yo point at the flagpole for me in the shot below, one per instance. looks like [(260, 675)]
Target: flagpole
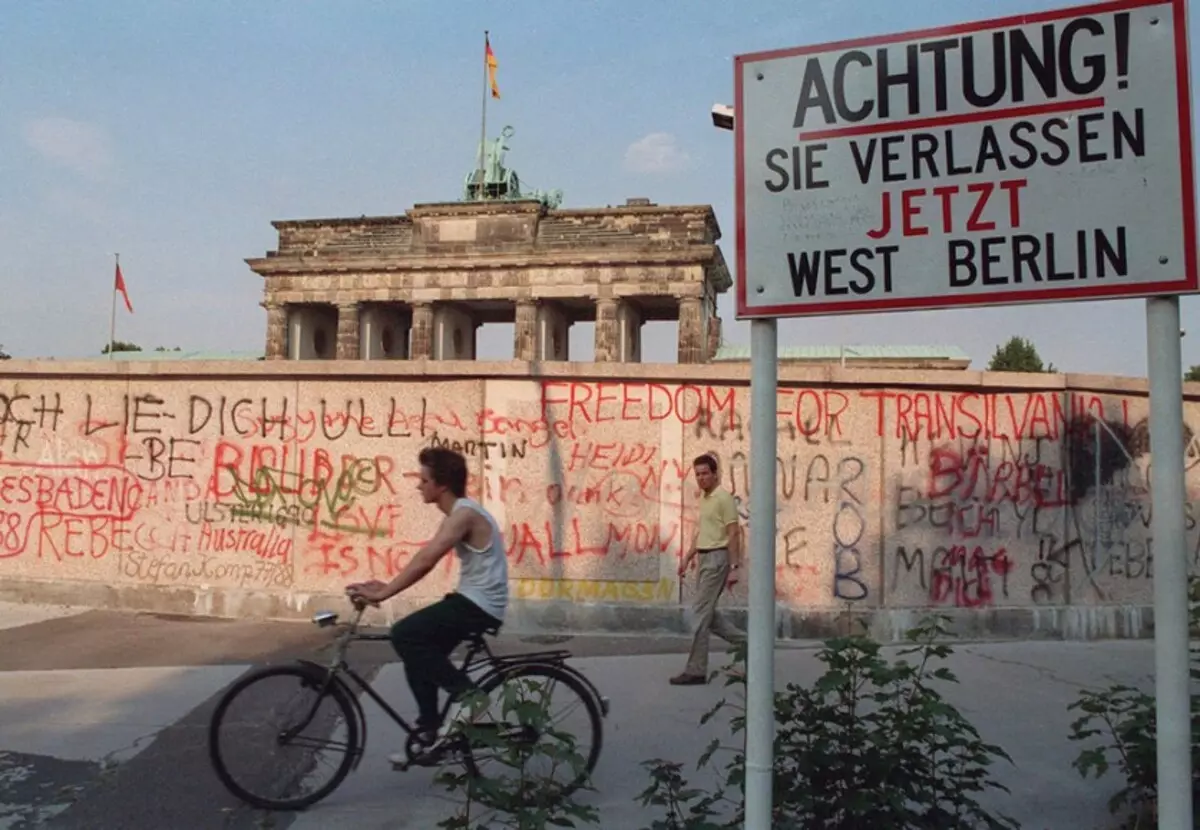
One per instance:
[(483, 122), (112, 321)]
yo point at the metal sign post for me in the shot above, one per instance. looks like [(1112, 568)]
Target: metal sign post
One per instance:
[(1168, 492), (1039, 158), (760, 628)]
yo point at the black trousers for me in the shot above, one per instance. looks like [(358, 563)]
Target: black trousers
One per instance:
[(424, 641)]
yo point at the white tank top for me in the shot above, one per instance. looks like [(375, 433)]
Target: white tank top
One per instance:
[(483, 573)]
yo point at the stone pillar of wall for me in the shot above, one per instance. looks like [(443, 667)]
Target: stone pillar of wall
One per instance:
[(311, 331), (422, 332), (629, 333), (553, 332), (692, 336), (525, 331), (383, 332), (607, 348), (454, 330), (347, 332), (276, 331), (714, 337)]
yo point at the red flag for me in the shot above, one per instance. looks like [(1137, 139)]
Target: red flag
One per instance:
[(120, 286)]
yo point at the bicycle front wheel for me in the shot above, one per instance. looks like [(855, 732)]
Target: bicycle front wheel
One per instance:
[(267, 733), (527, 726)]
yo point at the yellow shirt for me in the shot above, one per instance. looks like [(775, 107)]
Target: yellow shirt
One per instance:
[(717, 511)]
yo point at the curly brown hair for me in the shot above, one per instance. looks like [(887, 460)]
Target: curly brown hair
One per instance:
[(446, 467)]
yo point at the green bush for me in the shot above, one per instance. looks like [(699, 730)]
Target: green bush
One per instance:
[(511, 796), (1125, 720), (871, 744)]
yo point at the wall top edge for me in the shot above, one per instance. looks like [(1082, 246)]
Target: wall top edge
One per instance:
[(17, 370), (433, 209)]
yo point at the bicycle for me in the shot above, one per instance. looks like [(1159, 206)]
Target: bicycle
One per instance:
[(330, 683)]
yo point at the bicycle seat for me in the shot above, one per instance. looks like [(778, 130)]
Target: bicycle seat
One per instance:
[(491, 630)]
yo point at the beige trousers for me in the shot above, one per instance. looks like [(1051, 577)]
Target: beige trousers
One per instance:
[(712, 573)]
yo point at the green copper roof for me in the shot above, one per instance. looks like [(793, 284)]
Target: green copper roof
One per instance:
[(851, 352), (168, 355)]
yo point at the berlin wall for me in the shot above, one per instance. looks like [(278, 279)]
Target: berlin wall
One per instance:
[(1018, 503)]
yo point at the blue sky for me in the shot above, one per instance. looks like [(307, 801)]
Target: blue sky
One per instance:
[(176, 132)]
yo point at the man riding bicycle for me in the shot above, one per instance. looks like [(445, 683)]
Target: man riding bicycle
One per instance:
[(425, 639)]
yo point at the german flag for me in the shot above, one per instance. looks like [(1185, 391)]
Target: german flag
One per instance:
[(490, 58)]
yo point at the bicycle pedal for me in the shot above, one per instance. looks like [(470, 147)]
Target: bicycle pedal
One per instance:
[(400, 766)]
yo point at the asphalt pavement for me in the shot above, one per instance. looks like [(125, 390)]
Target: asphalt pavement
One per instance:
[(103, 719)]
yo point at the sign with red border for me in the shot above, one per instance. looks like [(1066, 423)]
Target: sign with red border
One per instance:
[(1031, 159)]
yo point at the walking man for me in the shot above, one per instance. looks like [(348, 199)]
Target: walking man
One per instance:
[(717, 544)]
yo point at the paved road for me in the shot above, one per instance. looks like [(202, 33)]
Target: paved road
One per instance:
[(103, 716)]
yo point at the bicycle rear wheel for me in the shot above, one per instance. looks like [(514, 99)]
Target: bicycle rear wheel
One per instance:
[(252, 755), (520, 730)]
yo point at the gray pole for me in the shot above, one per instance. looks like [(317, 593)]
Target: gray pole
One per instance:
[(760, 654), (479, 176), (1170, 565), (112, 316)]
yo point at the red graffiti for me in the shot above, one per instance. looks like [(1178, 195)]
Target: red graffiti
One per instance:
[(76, 537), (619, 540), (598, 403), (972, 478), (107, 491), (336, 555), (85, 500), (813, 412), (541, 431), (963, 578), (284, 469), (977, 415), (591, 455)]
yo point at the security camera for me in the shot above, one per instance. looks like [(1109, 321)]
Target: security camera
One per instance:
[(722, 116)]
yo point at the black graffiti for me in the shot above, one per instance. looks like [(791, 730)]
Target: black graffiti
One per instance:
[(146, 413), (482, 449), (849, 526), (793, 543), (1052, 569), (163, 459), (969, 520), (819, 474), (849, 470), (24, 415), (707, 425), (965, 576)]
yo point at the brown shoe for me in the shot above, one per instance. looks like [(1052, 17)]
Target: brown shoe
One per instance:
[(686, 679)]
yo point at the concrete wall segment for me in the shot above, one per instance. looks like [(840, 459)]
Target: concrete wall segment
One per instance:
[(1018, 503)]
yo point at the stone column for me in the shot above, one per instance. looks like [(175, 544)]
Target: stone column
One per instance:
[(525, 334), (422, 332), (553, 332), (347, 347), (692, 336), (607, 335), (714, 337), (629, 332), (277, 315)]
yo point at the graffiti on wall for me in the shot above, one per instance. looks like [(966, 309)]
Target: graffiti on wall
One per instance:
[(884, 496)]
